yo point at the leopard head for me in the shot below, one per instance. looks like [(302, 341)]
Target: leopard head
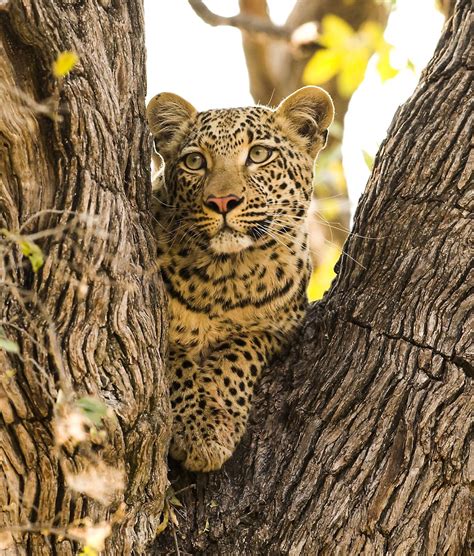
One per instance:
[(234, 177)]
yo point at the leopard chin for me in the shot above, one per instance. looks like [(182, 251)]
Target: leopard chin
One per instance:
[(230, 241)]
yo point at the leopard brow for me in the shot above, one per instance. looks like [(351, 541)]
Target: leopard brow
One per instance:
[(192, 149), (263, 143)]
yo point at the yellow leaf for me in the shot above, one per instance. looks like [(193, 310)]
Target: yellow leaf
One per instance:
[(322, 66), (353, 71), (372, 32), (330, 209), (323, 275), (164, 522), (335, 32), (64, 63), (88, 551), (206, 527), (384, 66)]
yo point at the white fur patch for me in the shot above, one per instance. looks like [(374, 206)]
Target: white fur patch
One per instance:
[(229, 241)]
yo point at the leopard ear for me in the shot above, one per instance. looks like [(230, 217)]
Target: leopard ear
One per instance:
[(309, 111), (168, 115)]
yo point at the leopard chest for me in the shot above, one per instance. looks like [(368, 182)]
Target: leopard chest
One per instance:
[(205, 309)]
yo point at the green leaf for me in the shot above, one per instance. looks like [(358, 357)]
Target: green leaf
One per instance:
[(411, 65), (93, 409), (368, 159), (32, 251), (175, 502)]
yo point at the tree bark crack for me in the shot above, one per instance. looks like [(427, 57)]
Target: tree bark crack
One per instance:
[(460, 362)]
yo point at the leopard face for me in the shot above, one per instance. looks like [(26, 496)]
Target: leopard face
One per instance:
[(238, 177)]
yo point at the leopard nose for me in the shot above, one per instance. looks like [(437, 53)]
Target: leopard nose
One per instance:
[(223, 205)]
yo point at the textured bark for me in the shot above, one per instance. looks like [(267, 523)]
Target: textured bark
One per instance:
[(91, 321), (359, 436)]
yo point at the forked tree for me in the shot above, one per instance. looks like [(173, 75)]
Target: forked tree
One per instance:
[(359, 437)]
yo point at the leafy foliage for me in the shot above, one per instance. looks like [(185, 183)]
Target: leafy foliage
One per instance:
[(324, 274), (346, 54), (31, 250), (368, 159), (93, 409)]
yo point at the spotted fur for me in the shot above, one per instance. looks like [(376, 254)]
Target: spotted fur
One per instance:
[(236, 281)]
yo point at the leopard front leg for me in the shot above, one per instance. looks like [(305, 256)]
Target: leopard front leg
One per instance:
[(211, 399)]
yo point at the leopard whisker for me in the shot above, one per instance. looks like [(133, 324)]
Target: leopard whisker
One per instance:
[(331, 225)]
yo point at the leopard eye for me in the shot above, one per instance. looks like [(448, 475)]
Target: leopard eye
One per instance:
[(194, 161), (259, 154)]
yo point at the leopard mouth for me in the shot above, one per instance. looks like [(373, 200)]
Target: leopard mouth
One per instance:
[(231, 240), (228, 240)]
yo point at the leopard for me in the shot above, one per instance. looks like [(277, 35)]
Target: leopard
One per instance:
[(230, 198)]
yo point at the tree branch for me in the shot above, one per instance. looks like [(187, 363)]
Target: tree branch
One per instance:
[(257, 32), (243, 22)]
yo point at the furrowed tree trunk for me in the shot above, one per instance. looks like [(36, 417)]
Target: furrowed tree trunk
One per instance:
[(91, 321), (359, 436)]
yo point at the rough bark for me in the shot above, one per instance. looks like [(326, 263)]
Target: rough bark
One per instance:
[(91, 321), (359, 436)]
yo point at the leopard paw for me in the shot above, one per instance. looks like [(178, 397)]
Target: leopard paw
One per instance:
[(204, 446)]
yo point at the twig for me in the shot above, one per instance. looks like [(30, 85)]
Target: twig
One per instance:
[(45, 108), (184, 489), (242, 22), (175, 539)]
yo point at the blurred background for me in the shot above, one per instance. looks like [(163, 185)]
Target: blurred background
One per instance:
[(368, 54)]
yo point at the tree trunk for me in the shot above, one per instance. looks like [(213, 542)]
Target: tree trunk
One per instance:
[(91, 321), (359, 437)]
